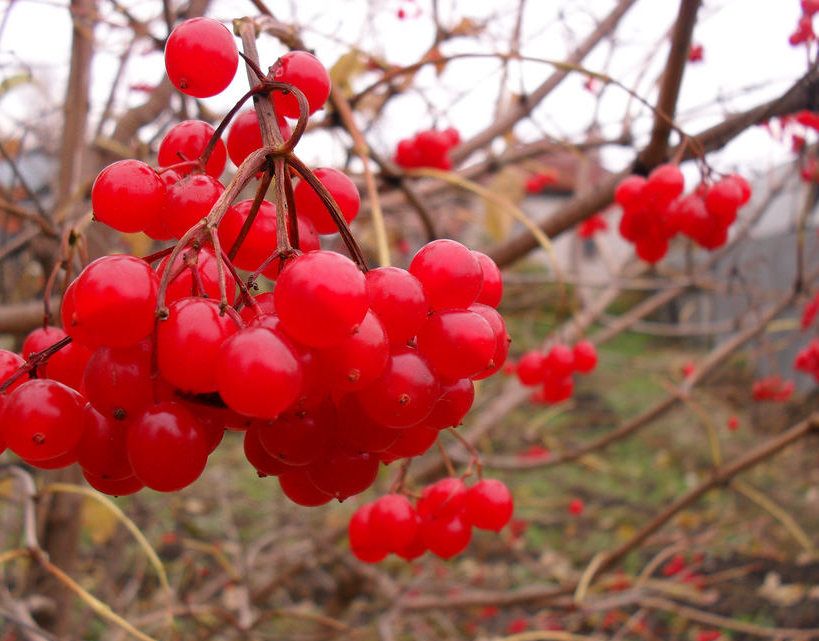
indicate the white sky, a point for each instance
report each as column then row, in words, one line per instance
column 747, row 60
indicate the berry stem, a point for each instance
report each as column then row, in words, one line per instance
column 400, row 479
column 335, row 213
column 261, row 192
column 475, row 460
column 33, row 362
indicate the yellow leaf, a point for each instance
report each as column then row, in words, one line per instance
column 100, row 522
column 467, row 27
column 346, row 68
column 508, row 182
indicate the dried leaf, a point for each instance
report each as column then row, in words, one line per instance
column 98, row 520
column 508, row 183
column 346, row 68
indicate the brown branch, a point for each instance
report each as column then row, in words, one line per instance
column 512, row 116
column 799, row 96
column 655, row 151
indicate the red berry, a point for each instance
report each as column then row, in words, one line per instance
column 450, row 273
column 405, row 392
column 166, row 448
column 42, row 419
column 360, row 359
column 364, row 544
column 188, row 202
column 186, row 141
column 458, row 343
column 245, row 136
column 393, row 521
column 112, row 302
column 446, row 537
column 585, row 356
column 321, row 298
column 399, row 300
column 306, row 72
column 101, row 450
column 442, row 500
column 343, row 191
column 127, row 195
column 188, row 343
column 201, row 57
column 530, row 367
column 489, row 505
column 492, row 286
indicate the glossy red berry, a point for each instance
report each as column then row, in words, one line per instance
column 188, row 343
column 489, row 505
column 399, row 300
column 112, row 302
column 492, row 286
column 393, row 521
column 458, row 343
column 306, row 72
column 450, row 273
column 127, row 195
column 443, row 499
column 364, row 544
column 245, row 136
column 405, row 392
column 585, row 356
column 201, row 57
column 42, row 419
column 258, row 373
column 188, row 202
column 186, row 141
column 343, row 190
column 321, row 298
column 446, row 537
column 166, row 447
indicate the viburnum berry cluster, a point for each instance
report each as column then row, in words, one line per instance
column 654, row 210
column 427, row 148
column 807, row 359
column 536, row 182
column 772, row 388
column 553, row 370
column 804, row 33
column 441, row 520
column 336, row 370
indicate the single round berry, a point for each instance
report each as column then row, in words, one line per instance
column 111, row 302
column 321, row 298
column 188, row 202
column 188, row 342
column 489, row 505
column 245, row 136
column 201, row 57
column 127, row 195
column 405, row 392
column 306, row 73
column 341, row 188
column 186, row 141
column 450, row 273
column 393, row 521
column 42, row 419
column 585, row 356
column 399, row 300
column 458, row 343
column 258, row 373
column 492, row 286
column 364, row 544
column 166, row 447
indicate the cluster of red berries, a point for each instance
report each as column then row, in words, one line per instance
column 696, row 53
column 428, row 148
column 349, row 370
column 537, row 182
column 591, row 226
column 553, row 370
column 441, row 520
column 654, row 210
column 772, row 388
column 804, row 34
column 807, row 359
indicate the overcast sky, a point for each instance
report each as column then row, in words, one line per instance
column 747, row 60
